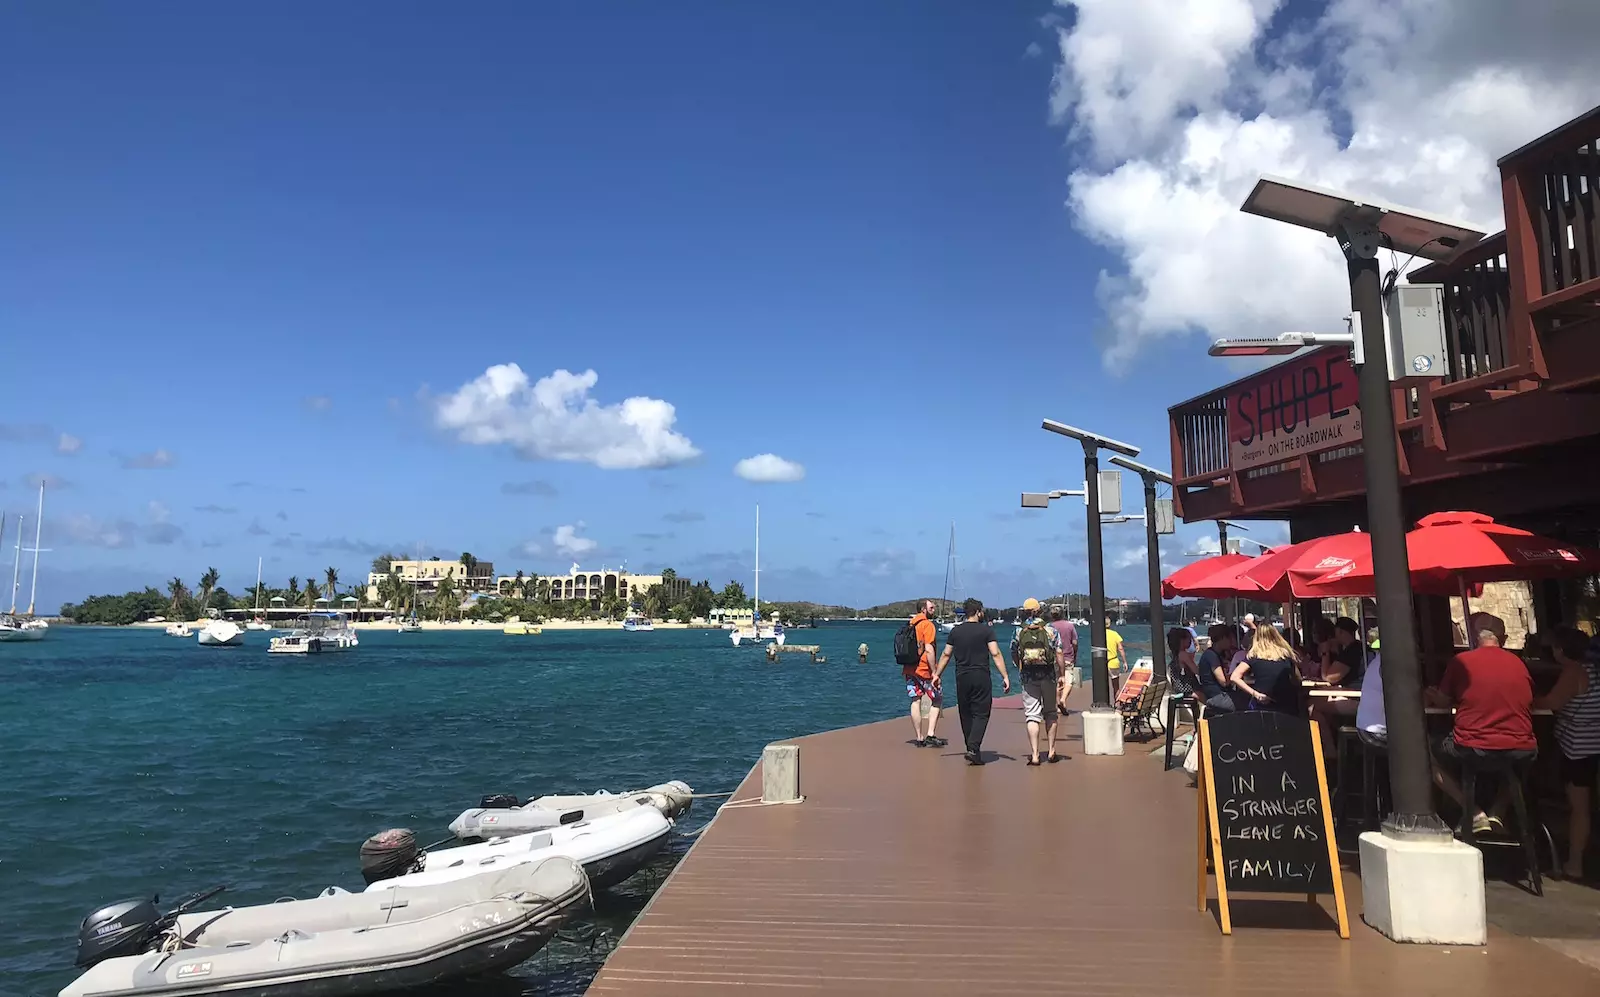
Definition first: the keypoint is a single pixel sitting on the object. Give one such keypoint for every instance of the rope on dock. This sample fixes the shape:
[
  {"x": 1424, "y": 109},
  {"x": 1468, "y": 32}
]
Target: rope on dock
[{"x": 709, "y": 796}]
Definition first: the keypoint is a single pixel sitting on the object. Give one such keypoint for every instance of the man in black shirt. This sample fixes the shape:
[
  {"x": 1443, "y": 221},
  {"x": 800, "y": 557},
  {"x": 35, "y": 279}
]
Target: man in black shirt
[{"x": 973, "y": 646}]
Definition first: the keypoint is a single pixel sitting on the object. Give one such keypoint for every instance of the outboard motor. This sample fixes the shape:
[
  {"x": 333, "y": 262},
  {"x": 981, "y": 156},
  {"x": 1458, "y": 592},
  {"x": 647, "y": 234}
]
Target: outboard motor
[
  {"x": 129, "y": 927},
  {"x": 499, "y": 801},
  {"x": 388, "y": 854}
]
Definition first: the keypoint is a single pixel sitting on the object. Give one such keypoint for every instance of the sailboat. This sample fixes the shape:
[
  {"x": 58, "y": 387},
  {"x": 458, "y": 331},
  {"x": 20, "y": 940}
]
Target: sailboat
[
  {"x": 952, "y": 584},
  {"x": 258, "y": 623},
  {"x": 19, "y": 627},
  {"x": 756, "y": 633}
]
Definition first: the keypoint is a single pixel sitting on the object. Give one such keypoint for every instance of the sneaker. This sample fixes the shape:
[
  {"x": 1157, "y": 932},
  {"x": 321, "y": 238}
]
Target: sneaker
[
  {"x": 973, "y": 758},
  {"x": 1480, "y": 824},
  {"x": 935, "y": 742},
  {"x": 920, "y": 742}
]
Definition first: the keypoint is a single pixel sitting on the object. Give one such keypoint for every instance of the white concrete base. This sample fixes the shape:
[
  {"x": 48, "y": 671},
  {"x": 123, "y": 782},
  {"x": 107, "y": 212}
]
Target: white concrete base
[
  {"x": 1102, "y": 732},
  {"x": 1423, "y": 891},
  {"x": 780, "y": 773}
]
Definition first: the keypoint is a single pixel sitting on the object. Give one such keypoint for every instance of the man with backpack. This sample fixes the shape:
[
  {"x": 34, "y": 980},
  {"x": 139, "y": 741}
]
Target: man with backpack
[
  {"x": 1036, "y": 651},
  {"x": 914, "y": 653},
  {"x": 973, "y": 646}
]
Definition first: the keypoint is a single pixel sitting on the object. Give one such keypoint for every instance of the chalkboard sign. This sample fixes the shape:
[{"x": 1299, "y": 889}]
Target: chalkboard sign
[{"x": 1264, "y": 813}]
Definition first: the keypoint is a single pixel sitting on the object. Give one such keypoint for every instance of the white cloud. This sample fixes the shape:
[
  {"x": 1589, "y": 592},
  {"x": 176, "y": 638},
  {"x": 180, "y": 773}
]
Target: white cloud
[
  {"x": 66, "y": 443},
  {"x": 149, "y": 461},
  {"x": 1131, "y": 557},
  {"x": 555, "y": 419},
  {"x": 769, "y": 467},
  {"x": 566, "y": 541},
  {"x": 1177, "y": 106}
]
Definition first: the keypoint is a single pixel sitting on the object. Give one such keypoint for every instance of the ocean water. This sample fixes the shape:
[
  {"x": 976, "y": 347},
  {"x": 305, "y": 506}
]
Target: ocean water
[{"x": 136, "y": 763}]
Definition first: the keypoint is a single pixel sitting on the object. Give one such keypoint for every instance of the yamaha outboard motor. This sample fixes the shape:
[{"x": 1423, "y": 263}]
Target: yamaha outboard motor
[
  {"x": 390, "y": 853},
  {"x": 129, "y": 927},
  {"x": 126, "y": 927},
  {"x": 499, "y": 801}
]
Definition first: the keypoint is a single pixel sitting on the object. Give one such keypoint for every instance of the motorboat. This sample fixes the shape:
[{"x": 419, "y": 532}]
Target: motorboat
[
  {"x": 322, "y": 633},
  {"x": 503, "y": 816},
  {"x": 179, "y": 630},
  {"x": 610, "y": 849},
  {"x": 335, "y": 943},
  {"x": 220, "y": 633},
  {"x": 258, "y": 624},
  {"x": 638, "y": 624}
]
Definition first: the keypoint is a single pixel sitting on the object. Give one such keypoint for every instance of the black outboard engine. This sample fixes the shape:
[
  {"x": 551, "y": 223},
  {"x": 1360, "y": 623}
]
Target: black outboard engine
[
  {"x": 388, "y": 854},
  {"x": 126, "y": 927},
  {"x": 129, "y": 927},
  {"x": 500, "y": 801}
]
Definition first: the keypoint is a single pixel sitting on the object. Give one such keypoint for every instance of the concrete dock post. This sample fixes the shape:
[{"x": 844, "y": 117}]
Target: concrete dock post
[{"x": 780, "y": 773}]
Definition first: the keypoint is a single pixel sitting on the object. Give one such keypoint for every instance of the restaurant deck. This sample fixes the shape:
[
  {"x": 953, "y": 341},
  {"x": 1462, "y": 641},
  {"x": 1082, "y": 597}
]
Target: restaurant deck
[{"x": 906, "y": 871}]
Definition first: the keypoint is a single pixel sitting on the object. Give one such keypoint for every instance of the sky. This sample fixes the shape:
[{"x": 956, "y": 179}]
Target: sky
[{"x": 570, "y": 282}]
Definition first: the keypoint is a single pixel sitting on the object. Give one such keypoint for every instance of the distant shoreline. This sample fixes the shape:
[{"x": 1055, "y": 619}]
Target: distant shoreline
[{"x": 462, "y": 626}]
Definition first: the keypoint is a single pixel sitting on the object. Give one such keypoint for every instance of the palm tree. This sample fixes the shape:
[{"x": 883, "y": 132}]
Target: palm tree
[
  {"x": 294, "y": 588},
  {"x": 331, "y": 576},
  {"x": 208, "y": 585},
  {"x": 311, "y": 595},
  {"x": 178, "y": 593},
  {"x": 444, "y": 597},
  {"x": 517, "y": 586}
]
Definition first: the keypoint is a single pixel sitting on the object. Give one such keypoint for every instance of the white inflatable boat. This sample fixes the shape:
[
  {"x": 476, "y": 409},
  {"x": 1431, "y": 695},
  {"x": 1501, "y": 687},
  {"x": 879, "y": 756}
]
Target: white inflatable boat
[
  {"x": 337, "y": 943},
  {"x": 609, "y": 848},
  {"x": 504, "y": 817}
]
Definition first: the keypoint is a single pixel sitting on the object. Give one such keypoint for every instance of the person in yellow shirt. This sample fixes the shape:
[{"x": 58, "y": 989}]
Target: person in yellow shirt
[{"x": 1113, "y": 657}]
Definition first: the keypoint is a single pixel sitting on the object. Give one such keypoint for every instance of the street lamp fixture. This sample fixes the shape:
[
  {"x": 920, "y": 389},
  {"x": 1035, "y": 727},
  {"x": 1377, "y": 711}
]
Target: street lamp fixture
[{"x": 1362, "y": 226}]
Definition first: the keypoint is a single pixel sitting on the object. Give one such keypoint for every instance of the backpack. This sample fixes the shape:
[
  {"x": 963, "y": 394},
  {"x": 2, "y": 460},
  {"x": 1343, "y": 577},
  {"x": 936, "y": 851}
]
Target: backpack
[
  {"x": 907, "y": 654},
  {"x": 1034, "y": 653}
]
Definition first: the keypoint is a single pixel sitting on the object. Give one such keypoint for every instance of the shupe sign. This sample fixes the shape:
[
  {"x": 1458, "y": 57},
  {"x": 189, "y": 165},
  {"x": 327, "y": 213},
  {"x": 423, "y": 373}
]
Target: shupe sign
[{"x": 1298, "y": 407}]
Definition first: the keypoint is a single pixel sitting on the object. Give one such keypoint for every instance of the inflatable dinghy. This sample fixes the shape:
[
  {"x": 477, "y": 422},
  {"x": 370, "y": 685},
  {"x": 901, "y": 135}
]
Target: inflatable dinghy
[
  {"x": 503, "y": 816},
  {"x": 610, "y": 849},
  {"x": 336, "y": 943}
]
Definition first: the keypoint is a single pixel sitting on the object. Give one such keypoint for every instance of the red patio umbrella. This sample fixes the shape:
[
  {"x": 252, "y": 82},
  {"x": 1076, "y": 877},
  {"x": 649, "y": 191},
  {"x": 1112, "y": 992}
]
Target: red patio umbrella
[
  {"x": 1195, "y": 579},
  {"x": 1289, "y": 572},
  {"x": 1451, "y": 549}
]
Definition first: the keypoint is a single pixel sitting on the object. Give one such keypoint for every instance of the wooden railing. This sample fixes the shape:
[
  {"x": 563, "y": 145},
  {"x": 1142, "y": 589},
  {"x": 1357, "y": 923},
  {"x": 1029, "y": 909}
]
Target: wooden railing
[
  {"x": 1200, "y": 430},
  {"x": 1477, "y": 302},
  {"x": 1554, "y": 208}
]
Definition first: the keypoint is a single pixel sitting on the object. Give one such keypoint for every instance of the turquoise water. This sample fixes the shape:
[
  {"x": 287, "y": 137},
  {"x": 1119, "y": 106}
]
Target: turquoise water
[{"x": 136, "y": 763}]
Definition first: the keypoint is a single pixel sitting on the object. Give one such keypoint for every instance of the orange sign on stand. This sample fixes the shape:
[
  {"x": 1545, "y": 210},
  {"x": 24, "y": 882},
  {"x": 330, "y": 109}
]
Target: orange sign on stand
[{"x": 1306, "y": 405}]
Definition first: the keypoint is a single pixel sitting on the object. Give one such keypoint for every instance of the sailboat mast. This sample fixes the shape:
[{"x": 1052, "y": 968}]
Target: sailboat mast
[
  {"x": 755, "y": 617},
  {"x": 258, "y": 585},
  {"x": 16, "y": 564},
  {"x": 38, "y": 533},
  {"x": 949, "y": 552}
]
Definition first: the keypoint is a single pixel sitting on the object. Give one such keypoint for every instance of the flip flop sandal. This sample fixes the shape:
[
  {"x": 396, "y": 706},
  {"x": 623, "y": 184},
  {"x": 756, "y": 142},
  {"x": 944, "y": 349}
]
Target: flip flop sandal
[
  {"x": 1053, "y": 759},
  {"x": 1033, "y": 761}
]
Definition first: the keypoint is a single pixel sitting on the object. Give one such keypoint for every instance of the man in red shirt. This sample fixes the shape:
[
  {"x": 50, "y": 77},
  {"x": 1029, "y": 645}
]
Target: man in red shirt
[
  {"x": 1492, "y": 693},
  {"x": 920, "y": 681}
]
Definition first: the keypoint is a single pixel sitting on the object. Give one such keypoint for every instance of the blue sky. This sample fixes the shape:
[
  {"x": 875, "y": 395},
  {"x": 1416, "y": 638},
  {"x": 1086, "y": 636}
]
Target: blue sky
[{"x": 252, "y": 257}]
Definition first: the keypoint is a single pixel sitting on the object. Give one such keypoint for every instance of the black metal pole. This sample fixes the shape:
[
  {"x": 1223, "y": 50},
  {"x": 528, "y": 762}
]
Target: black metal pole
[
  {"x": 1097, "y": 585},
  {"x": 1409, "y": 768},
  {"x": 1152, "y": 546},
  {"x": 1222, "y": 536}
]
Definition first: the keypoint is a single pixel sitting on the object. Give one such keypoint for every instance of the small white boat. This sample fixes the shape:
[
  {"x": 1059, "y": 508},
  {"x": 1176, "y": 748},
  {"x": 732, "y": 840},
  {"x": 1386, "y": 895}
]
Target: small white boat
[
  {"x": 503, "y": 816},
  {"x": 258, "y": 625},
  {"x": 520, "y": 629},
  {"x": 336, "y": 943},
  {"x": 637, "y": 624},
  {"x": 323, "y": 633},
  {"x": 179, "y": 630},
  {"x": 609, "y": 848},
  {"x": 220, "y": 633},
  {"x": 759, "y": 634}
]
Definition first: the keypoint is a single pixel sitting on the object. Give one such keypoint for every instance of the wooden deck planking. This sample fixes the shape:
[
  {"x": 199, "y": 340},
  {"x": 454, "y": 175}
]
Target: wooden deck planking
[{"x": 906, "y": 871}]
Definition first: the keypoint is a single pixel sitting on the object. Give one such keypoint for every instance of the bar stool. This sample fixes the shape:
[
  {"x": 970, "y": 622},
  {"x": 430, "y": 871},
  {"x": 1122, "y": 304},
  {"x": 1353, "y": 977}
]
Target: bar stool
[
  {"x": 1514, "y": 772},
  {"x": 1176, "y": 702},
  {"x": 1370, "y": 790}
]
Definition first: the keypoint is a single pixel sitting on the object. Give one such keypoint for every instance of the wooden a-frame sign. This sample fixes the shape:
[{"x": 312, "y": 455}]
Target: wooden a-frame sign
[{"x": 1269, "y": 829}]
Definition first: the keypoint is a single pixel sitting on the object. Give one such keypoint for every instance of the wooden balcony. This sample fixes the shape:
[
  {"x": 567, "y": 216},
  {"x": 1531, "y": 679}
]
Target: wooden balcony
[{"x": 1522, "y": 312}]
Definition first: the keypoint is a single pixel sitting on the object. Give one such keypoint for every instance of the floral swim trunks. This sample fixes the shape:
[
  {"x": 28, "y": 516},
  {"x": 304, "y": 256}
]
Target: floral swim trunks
[{"x": 917, "y": 687}]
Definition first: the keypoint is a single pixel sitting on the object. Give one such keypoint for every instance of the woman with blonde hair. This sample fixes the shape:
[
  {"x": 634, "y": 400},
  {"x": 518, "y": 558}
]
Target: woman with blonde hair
[{"x": 1267, "y": 676}]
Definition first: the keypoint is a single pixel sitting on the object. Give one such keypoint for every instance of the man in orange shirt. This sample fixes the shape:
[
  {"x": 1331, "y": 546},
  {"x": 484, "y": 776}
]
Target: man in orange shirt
[{"x": 920, "y": 683}]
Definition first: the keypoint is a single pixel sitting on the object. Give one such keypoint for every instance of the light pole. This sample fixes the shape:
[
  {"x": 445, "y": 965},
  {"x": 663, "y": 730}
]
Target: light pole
[
  {"x": 1152, "y": 546},
  {"x": 1102, "y": 727},
  {"x": 1361, "y": 227}
]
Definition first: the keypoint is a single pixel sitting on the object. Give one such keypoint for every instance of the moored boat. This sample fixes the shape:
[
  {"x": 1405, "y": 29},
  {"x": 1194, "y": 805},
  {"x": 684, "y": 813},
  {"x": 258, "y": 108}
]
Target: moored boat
[
  {"x": 323, "y": 633},
  {"x": 503, "y": 816},
  {"x": 637, "y": 624},
  {"x": 610, "y": 849},
  {"x": 336, "y": 943},
  {"x": 220, "y": 633}
]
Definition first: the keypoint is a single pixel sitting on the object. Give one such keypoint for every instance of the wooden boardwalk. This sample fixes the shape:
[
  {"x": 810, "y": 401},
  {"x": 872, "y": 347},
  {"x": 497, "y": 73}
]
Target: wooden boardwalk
[{"x": 906, "y": 871}]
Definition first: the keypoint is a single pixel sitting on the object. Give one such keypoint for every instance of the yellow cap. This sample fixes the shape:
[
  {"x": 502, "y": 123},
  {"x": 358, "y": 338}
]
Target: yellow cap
[{"x": 1030, "y": 604}]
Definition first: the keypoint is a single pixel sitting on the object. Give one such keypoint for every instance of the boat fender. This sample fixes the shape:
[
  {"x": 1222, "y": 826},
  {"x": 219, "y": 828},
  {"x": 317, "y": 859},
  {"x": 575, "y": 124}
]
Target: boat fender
[
  {"x": 390, "y": 853},
  {"x": 500, "y": 801}
]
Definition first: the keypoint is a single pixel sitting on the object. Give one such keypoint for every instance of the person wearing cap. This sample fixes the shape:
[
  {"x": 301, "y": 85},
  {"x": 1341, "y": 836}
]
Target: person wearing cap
[{"x": 1036, "y": 651}]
